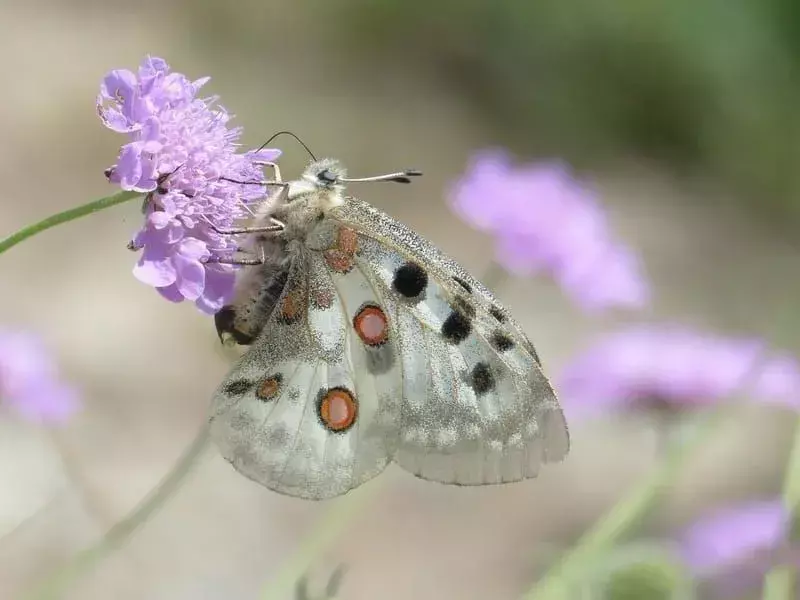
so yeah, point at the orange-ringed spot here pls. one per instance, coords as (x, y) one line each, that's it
(322, 298)
(292, 305)
(269, 388)
(347, 241)
(341, 256)
(337, 409)
(371, 325)
(339, 261)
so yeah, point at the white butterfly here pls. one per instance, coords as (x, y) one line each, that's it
(368, 345)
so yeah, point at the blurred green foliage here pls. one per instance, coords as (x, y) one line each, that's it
(639, 571)
(702, 86)
(705, 86)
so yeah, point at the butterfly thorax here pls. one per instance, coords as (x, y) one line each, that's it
(302, 212)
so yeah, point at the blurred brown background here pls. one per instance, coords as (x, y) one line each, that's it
(684, 112)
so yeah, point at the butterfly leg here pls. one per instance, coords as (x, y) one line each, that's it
(242, 261)
(275, 169)
(276, 181)
(275, 227)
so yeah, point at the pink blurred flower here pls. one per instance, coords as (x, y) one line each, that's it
(29, 381)
(545, 221)
(732, 549)
(676, 365)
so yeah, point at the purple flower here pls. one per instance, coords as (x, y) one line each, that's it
(182, 154)
(29, 380)
(730, 535)
(733, 548)
(778, 380)
(676, 365)
(544, 221)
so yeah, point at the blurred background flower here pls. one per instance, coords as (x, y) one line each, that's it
(544, 221)
(29, 379)
(656, 365)
(731, 549)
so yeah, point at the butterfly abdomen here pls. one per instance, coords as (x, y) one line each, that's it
(257, 293)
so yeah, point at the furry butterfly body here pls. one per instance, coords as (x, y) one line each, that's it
(368, 346)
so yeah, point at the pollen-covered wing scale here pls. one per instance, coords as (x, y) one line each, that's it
(367, 346)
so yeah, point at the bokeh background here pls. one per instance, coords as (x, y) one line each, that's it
(683, 112)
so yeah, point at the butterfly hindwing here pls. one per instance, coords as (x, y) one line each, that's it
(311, 410)
(476, 407)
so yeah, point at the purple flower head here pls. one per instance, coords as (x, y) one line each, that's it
(733, 548)
(730, 535)
(29, 379)
(544, 221)
(678, 366)
(183, 155)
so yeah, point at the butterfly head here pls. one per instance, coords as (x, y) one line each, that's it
(321, 188)
(325, 174)
(318, 189)
(321, 177)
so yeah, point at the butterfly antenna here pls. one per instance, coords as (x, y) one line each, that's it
(299, 141)
(401, 177)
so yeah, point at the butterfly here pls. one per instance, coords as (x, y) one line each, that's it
(368, 345)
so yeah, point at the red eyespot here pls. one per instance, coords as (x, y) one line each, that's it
(338, 409)
(269, 388)
(371, 325)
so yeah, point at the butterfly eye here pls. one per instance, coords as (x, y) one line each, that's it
(325, 176)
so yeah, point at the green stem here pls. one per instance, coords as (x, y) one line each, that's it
(332, 524)
(781, 581)
(56, 584)
(63, 217)
(621, 518)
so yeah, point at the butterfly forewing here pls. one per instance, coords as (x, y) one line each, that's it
(477, 408)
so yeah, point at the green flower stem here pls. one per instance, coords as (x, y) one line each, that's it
(781, 582)
(331, 526)
(56, 585)
(63, 217)
(557, 582)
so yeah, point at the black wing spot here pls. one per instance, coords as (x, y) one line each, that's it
(500, 341)
(467, 287)
(481, 379)
(497, 314)
(456, 328)
(237, 387)
(410, 280)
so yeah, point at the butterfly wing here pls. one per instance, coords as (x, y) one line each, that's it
(381, 348)
(311, 410)
(475, 406)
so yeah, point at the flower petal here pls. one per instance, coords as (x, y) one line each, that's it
(155, 266)
(191, 277)
(218, 290)
(265, 154)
